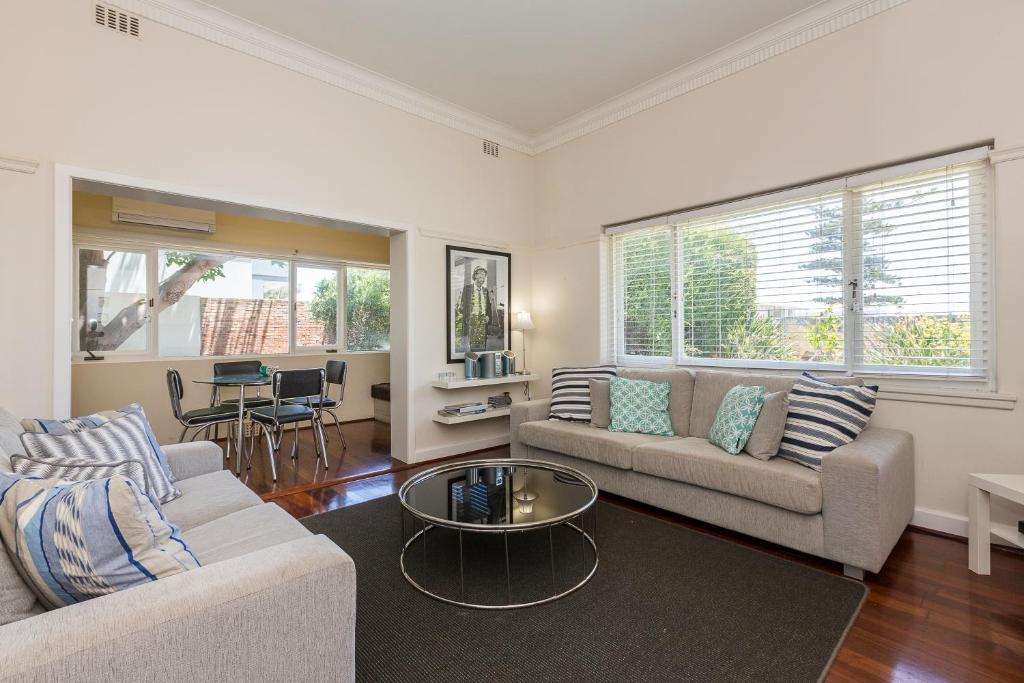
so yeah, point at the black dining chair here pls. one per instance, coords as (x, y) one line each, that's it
(336, 372)
(295, 394)
(237, 367)
(200, 418)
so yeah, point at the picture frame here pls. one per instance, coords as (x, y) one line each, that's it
(479, 284)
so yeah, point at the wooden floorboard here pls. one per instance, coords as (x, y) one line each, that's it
(927, 618)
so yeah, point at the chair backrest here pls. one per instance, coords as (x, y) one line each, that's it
(337, 373)
(176, 391)
(237, 367)
(290, 384)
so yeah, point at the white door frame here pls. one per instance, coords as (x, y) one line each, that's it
(402, 247)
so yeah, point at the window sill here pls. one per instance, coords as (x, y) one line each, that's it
(130, 358)
(969, 392)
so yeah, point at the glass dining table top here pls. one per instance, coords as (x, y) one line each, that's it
(234, 380)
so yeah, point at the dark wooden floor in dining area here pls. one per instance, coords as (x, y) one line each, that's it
(927, 617)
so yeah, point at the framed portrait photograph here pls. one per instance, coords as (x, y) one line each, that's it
(478, 284)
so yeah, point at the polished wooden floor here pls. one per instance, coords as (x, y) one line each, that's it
(927, 618)
(369, 451)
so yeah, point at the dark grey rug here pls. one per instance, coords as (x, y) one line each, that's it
(667, 604)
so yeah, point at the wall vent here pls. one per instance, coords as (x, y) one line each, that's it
(491, 148)
(117, 20)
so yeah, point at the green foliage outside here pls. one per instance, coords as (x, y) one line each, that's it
(825, 335)
(921, 340)
(757, 337)
(367, 307)
(182, 259)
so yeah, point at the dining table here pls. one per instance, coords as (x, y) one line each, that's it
(240, 381)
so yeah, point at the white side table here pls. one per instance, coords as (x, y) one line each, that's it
(980, 488)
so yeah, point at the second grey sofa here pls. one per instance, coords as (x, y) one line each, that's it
(852, 512)
(254, 610)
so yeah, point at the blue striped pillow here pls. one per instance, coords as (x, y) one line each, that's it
(822, 417)
(72, 541)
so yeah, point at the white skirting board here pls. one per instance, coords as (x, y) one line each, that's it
(948, 523)
(462, 447)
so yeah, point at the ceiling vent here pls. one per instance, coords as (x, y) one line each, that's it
(117, 20)
(491, 148)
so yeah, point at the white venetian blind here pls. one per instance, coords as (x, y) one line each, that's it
(642, 292)
(764, 283)
(923, 267)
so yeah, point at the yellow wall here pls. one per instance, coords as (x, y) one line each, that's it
(94, 211)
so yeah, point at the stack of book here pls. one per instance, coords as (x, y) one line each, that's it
(502, 401)
(459, 409)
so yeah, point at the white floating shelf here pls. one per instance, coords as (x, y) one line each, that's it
(1006, 533)
(486, 415)
(469, 383)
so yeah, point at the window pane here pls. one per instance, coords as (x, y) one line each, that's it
(920, 269)
(765, 284)
(222, 305)
(316, 309)
(645, 262)
(112, 310)
(367, 309)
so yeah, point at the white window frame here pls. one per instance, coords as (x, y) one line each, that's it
(339, 324)
(852, 187)
(343, 305)
(109, 241)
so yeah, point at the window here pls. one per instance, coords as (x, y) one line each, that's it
(113, 309)
(167, 302)
(222, 305)
(880, 272)
(316, 307)
(367, 309)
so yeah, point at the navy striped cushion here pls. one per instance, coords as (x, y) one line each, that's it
(822, 417)
(570, 391)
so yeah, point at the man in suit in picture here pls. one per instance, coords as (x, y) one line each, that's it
(476, 313)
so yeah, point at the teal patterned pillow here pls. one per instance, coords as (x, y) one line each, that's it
(736, 418)
(639, 406)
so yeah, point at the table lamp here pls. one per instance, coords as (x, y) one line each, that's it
(523, 322)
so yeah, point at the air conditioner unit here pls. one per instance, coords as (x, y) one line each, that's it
(135, 212)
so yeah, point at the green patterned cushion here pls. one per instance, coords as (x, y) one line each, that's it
(639, 406)
(736, 418)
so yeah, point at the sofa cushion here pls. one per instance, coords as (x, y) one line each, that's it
(736, 418)
(600, 403)
(680, 399)
(17, 601)
(640, 407)
(585, 441)
(710, 388)
(696, 461)
(764, 441)
(10, 439)
(209, 497)
(570, 391)
(243, 532)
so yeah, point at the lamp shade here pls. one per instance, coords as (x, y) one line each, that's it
(522, 321)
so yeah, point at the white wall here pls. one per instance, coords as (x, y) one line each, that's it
(924, 77)
(182, 110)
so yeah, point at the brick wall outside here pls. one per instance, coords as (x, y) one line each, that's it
(232, 327)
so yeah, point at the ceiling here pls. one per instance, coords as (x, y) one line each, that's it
(529, 64)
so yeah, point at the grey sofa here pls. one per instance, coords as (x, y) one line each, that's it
(270, 602)
(852, 512)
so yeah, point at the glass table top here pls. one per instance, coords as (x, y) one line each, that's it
(234, 380)
(498, 494)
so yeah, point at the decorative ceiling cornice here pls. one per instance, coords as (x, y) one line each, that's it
(225, 29)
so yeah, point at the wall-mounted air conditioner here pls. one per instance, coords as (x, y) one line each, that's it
(135, 212)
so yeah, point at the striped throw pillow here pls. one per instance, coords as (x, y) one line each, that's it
(822, 417)
(570, 391)
(116, 441)
(72, 541)
(81, 471)
(82, 424)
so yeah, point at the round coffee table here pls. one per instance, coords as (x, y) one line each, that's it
(504, 497)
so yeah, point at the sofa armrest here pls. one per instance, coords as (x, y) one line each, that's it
(867, 497)
(194, 458)
(525, 411)
(256, 617)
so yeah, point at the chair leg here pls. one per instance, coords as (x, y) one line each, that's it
(183, 433)
(319, 441)
(337, 425)
(270, 452)
(295, 441)
(231, 431)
